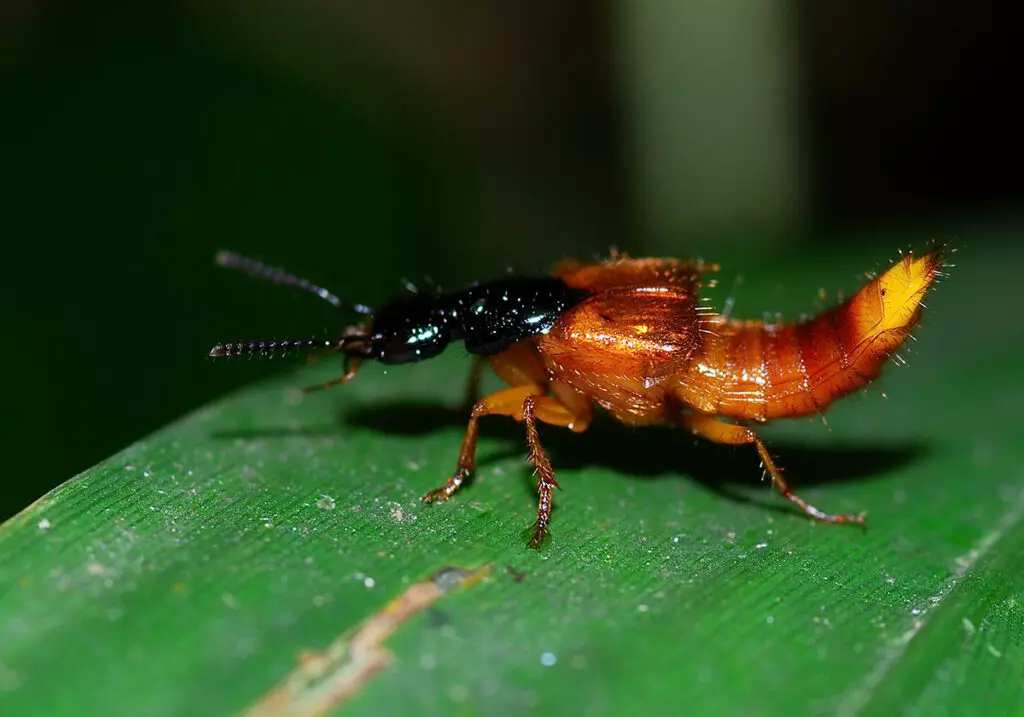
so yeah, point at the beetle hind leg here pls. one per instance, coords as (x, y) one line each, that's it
(717, 431)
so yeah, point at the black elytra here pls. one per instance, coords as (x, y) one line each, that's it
(488, 317)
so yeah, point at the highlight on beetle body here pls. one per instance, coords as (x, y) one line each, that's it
(633, 337)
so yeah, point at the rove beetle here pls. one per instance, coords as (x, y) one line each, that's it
(633, 337)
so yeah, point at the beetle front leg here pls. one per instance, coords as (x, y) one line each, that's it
(507, 402)
(527, 404)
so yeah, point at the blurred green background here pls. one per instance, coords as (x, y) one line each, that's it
(359, 144)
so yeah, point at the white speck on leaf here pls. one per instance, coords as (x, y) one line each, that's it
(399, 515)
(969, 627)
(548, 659)
(44, 525)
(326, 502)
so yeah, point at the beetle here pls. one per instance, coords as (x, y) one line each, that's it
(633, 337)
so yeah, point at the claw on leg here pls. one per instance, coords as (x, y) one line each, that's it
(451, 485)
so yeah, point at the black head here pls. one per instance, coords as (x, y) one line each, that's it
(411, 328)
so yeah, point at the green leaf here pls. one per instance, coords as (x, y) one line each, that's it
(270, 533)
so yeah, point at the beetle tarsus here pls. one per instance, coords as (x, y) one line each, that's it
(445, 492)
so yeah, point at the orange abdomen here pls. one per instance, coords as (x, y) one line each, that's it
(753, 371)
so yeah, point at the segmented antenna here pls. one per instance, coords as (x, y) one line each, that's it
(231, 260)
(268, 348)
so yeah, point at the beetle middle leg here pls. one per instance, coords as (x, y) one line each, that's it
(718, 431)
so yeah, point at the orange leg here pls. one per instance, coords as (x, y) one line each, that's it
(351, 369)
(718, 431)
(507, 402)
(552, 411)
(523, 403)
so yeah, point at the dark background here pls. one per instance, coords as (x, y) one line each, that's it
(360, 145)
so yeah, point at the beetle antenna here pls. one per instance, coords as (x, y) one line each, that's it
(268, 348)
(231, 260)
(265, 348)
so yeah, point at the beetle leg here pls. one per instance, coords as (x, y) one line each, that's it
(523, 403)
(549, 410)
(719, 431)
(351, 367)
(507, 402)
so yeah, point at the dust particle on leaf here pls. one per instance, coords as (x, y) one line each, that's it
(326, 502)
(399, 515)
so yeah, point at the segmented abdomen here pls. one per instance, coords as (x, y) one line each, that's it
(753, 371)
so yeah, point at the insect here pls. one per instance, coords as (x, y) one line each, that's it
(633, 337)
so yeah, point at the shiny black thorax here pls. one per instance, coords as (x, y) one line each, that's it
(487, 317)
